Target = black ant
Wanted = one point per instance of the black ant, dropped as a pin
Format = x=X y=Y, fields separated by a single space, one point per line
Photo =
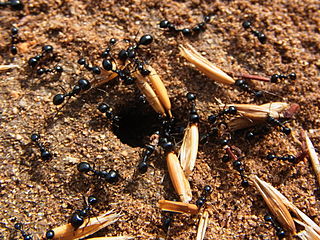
x=105 y=108
x=200 y=27
x=275 y=122
x=231 y=110
x=279 y=230
x=45 y=154
x=275 y=77
x=107 y=51
x=237 y=164
x=131 y=51
x=56 y=69
x=111 y=177
x=94 y=69
x=83 y=85
x=147 y=152
x=26 y=236
x=287 y=157
x=261 y=36
x=194 y=117
x=245 y=87
x=50 y=234
x=34 y=61
x=77 y=218
x=14 y=40
x=122 y=74
x=14 y=4
x=167 y=221
x=203 y=198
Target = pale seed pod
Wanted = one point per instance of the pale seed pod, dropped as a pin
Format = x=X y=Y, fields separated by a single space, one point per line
x=189 y=148
x=205 y=66
x=7 y=67
x=252 y=114
x=313 y=156
x=90 y=226
x=154 y=90
x=275 y=205
x=160 y=89
x=203 y=224
x=308 y=234
x=178 y=207
x=178 y=178
x=106 y=76
x=296 y=211
x=150 y=94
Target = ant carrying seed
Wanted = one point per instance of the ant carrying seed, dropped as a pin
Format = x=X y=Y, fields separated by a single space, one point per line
x=45 y=154
x=123 y=74
x=34 y=61
x=14 y=4
x=14 y=40
x=77 y=218
x=279 y=230
x=111 y=177
x=19 y=227
x=261 y=36
x=275 y=77
x=203 y=198
x=200 y=27
x=83 y=85
x=189 y=148
x=211 y=71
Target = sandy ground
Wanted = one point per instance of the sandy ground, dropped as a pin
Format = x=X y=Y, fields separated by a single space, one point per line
x=43 y=195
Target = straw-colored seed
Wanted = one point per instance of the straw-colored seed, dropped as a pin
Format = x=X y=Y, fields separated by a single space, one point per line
x=150 y=94
x=178 y=178
x=7 y=67
x=296 y=211
x=252 y=114
x=105 y=76
x=178 y=207
x=203 y=65
x=160 y=89
x=313 y=156
x=90 y=226
x=189 y=148
x=276 y=205
x=309 y=233
x=203 y=223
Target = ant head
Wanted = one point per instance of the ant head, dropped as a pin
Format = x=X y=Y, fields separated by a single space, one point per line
x=145 y=40
x=92 y=200
x=191 y=96
x=84 y=167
